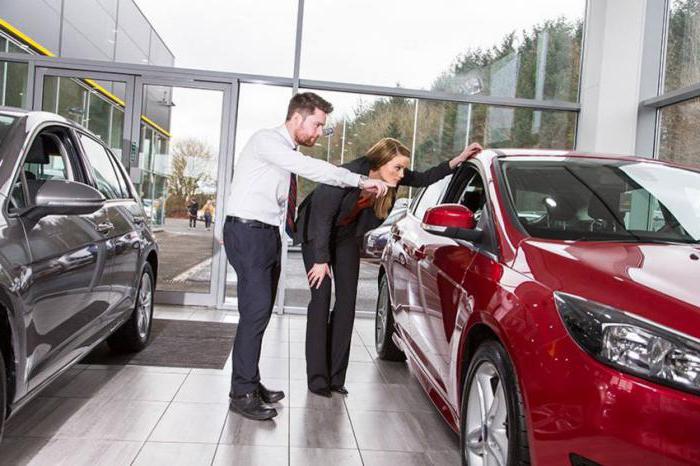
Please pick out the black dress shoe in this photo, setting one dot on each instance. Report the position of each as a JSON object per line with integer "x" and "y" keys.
{"x": 321, "y": 392}
{"x": 269, "y": 396}
{"x": 341, "y": 389}
{"x": 251, "y": 406}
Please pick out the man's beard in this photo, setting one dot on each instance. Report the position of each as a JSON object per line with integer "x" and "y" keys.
{"x": 306, "y": 142}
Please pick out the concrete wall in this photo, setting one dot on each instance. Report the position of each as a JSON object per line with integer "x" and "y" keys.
{"x": 621, "y": 63}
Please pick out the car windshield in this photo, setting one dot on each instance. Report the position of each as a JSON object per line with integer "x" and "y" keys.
{"x": 591, "y": 199}
{"x": 6, "y": 122}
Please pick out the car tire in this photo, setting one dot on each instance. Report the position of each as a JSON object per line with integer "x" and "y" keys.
{"x": 504, "y": 433}
{"x": 133, "y": 335}
{"x": 384, "y": 326}
{"x": 3, "y": 394}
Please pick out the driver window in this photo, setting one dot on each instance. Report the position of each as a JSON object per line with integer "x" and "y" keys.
{"x": 473, "y": 196}
{"x": 430, "y": 197}
{"x": 46, "y": 159}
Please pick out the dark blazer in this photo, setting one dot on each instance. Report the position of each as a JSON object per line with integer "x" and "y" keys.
{"x": 319, "y": 214}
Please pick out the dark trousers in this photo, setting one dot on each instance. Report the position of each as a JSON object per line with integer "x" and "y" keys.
{"x": 328, "y": 337}
{"x": 255, "y": 254}
{"x": 207, "y": 220}
{"x": 193, "y": 221}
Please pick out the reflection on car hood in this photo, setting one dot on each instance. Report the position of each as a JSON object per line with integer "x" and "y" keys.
{"x": 660, "y": 282}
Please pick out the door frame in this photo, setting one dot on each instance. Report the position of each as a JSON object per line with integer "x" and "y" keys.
{"x": 136, "y": 80}
{"x": 229, "y": 89}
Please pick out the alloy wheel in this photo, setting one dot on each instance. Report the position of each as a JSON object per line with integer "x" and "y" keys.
{"x": 382, "y": 312}
{"x": 486, "y": 425}
{"x": 143, "y": 306}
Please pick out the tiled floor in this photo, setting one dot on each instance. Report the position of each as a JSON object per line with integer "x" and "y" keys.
{"x": 120, "y": 415}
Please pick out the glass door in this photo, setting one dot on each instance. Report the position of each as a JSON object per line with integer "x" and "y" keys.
{"x": 183, "y": 142}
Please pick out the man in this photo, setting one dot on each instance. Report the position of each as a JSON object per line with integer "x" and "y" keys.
{"x": 264, "y": 181}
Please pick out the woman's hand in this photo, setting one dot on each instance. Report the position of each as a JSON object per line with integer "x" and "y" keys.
{"x": 317, "y": 274}
{"x": 470, "y": 151}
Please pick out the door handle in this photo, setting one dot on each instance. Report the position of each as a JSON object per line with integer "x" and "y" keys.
{"x": 104, "y": 227}
{"x": 395, "y": 232}
{"x": 138, "y": 220}
{"x": 419, "y": 253}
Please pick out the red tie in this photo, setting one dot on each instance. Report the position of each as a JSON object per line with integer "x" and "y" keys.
{"x": 291, "y": 205}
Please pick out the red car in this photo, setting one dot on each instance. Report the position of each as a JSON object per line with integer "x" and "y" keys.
{"x": 549, "y": 303}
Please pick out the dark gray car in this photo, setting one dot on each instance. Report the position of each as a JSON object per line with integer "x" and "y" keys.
{"x": 77, "y": 260}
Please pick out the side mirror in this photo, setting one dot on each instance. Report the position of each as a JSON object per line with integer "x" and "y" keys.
{"x": 60, "y": 197}
{"x": 451, "y": 221}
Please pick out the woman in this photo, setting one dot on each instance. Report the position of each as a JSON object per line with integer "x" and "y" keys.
{"x": 330, "y": 225}
{"x": 208, "y": 212}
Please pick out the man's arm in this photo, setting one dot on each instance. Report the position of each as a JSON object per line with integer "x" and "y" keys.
{"x": 308, "y": 167}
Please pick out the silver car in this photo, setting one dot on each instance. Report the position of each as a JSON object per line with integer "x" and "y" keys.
{"x": 78, "y": 262}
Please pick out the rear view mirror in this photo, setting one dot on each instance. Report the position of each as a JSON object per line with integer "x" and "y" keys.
{"x": 452, "y": 221}
{"x": 61, "y": 197}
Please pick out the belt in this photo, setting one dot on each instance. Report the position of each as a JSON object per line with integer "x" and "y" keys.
{"x": 251, "y": 223}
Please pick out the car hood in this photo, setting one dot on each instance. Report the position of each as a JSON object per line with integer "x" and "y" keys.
{"x": 660, "y": 282}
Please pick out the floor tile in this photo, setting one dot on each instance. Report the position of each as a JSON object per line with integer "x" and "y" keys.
{"x": 363, "y": 372}
{"x": 301, "y": 397}
{"x": 320, "y": 428}
{"x": 68, "y": 452}
{"x": 388, "y": 431}
{"x": 273, "y": 368}
{"x": 227, "y": 455}
{"x": 144, "y": 386}
{"x": 241, "y": 431}
{"x": 393, "y": 458}
{"x": 175, "y": 454}
{"x": 113, "y": 420}
{"x": 191, "y": 422}
{"x": 203, "y": 388}
{"x": 324, "y": 456}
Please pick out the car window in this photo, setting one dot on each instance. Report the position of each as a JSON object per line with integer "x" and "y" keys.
{"x": 103, "y": 169}
{"x": 47, "y": 159}
{"x": 594, "y": 199}
{"x": 430, "y": 197}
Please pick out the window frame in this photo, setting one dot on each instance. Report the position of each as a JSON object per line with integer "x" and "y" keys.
{"x": 454, "y": 191}
{"x": 72, "y": 157}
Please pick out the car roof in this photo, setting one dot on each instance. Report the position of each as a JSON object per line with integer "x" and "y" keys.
{"x": 491, "y": 155}
{"x": 36, "y": 118}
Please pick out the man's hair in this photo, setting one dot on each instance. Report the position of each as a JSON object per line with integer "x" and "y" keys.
{"x": 306, "y": 103}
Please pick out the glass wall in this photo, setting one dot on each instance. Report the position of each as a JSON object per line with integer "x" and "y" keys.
{"x": 13, "y": 77}
{"x": 678, "y": 136}
{"x": 533, "y": 51}
{"x": 682, "y": 67}
{"x": 89, "y": 104}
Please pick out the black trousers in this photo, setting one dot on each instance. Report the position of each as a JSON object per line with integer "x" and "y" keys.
{"x": 328, "y": 337}
{"x": 255, "y": 254}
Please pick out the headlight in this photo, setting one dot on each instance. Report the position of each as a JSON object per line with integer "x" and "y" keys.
{"x": 632, "y": 344}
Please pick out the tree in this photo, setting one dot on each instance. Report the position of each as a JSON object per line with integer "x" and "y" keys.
{"x": 189, "y": 167}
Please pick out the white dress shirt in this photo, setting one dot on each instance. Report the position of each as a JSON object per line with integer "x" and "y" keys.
{"x": 261, "y": 176}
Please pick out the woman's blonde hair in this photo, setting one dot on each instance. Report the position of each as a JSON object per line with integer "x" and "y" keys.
{"x": 381, "y": 153}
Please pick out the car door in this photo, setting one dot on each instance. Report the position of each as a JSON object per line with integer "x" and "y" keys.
{"x": 66, "y": 290}
{"x": 125, "y": 219}
{"x": 451, "y": 274}
{"x": 406, "y": 252}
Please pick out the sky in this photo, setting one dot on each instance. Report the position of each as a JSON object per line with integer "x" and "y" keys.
{"x": 378, "y": 42}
